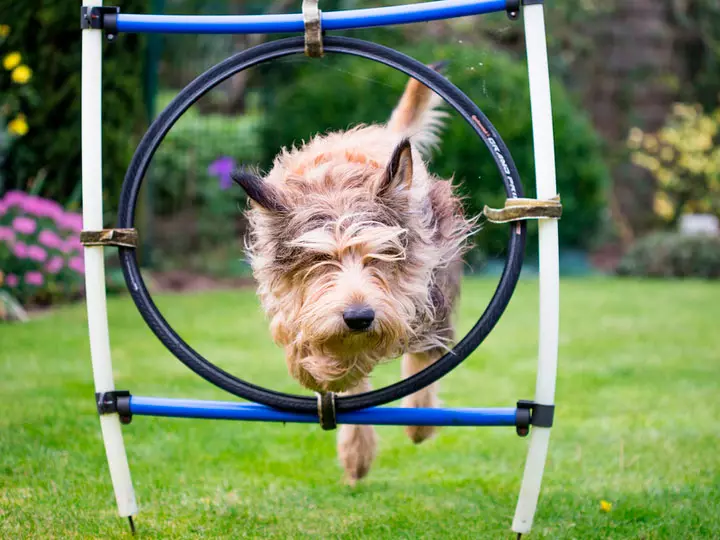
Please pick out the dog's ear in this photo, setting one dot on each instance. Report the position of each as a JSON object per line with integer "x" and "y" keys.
{"x": 399, "y": 171}
{"x": 256, "y": 189}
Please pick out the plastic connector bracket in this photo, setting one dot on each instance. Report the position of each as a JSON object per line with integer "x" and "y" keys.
{"x": 115, "y": 401}
{"x": 530, "y": 413}
{"x": 100, "y": 18}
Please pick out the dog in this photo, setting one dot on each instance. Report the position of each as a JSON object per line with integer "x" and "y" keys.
{"x": 357, "y": 251}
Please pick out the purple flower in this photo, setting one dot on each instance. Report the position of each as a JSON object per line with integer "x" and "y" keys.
{"x": 36, "y": 253}
{"x": 222, "y": 168}
{"x": 49, "y": 239}
{"x": 55, "y": 264}
{"x": 3, "y": 207}
{"x": 7, "y": 235}
{"x": 20, "y": 250}
{"x": 34, "y": 278}
{"x": 12, "y": 280}
{"x": 24, "y": 225}
{"x": 77, "y": 264}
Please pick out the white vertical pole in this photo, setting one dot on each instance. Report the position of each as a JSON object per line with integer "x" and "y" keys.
{"x": 95, "y": 262}
{"x": 538, "y": 73}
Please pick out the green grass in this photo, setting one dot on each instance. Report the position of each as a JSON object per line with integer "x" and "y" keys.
{"x": 637, "y": 425}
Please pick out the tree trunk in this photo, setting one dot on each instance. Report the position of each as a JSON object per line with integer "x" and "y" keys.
{"x": 632, "y": 83}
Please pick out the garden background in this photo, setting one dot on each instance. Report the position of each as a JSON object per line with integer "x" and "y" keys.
{"x": 635, "y": 97}
{"x": 636, "y": 109}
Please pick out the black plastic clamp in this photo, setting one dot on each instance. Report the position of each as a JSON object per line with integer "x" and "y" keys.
{"x": 530, "y": 413}
{"x": 100, "y": 18}
{"x": 115, "y": 401}
{"x": 513, "y": 9}
{"x": 326, "y": 410}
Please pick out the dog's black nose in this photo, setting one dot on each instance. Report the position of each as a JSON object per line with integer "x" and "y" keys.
{"x": 358, "y": 317}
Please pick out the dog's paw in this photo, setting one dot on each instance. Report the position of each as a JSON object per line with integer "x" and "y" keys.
{"x": 424, "y": 399}
{"x": 419, "y": 434}
{"x": 356, "y": 451}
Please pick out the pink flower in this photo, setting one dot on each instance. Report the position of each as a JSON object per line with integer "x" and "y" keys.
{"x": 72, "y": 243}
{"x": 49, "y": 239}
{"x": 36, "y": 253}
{"x": 71, "y": 222}
{"x": 53, "y": 210}
{"x": 20, "y": 250}
{"x": 7, "y": 235}
{"x": 34, "y": 278}
{"x": 3, "y": 207}
{"x": 55, "y": 264}
{"x": 12, "y": 280}
{"x": 14, "y": 198}
{"x": 24, "y": 225}
{"x": 31, "y": 203}
{"x": 77, "y": 264}
{"x": 43, "y": 208}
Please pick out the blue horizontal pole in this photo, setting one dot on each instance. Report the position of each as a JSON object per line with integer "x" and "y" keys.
{"x": 293, "y": 22}
{"x": 379, "y": 416}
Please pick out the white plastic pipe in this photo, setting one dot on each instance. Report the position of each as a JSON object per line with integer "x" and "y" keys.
{"x": 95, "y": 262}
{"x": 539, "y": 75}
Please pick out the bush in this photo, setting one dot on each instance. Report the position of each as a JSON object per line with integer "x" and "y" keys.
{"x": 684, "y": 158}
{"x": 190, "y": 174}
{"x": 670, "y": 255}
{"x": 40, "y": 252}
{"x": 16, "y": 95}
{"x": 335, "y": 92}
{"x": 47, "y": 35}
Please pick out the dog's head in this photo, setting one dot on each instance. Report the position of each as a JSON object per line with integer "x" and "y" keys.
{"x": 339, "y": 252}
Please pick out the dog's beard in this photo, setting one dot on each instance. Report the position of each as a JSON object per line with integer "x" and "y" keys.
{"x": 338, "y": 361}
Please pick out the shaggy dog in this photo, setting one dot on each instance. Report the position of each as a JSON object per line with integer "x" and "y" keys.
{"x": 357, "y": 251}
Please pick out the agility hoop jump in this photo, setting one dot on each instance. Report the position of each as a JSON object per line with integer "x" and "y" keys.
{"x": 118, "y": 407}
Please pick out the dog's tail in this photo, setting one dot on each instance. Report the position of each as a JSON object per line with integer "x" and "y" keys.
{"x": 416, "y": 114}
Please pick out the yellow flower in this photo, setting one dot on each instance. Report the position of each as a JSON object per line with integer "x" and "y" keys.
{"x": 635, "y": 138}
{"x": 667, "y": 154}
{"x": 4, "y": 30}
{"x": 663, "y": 206}
{"x": 21, "y": 74}
{"x": 12, "y": 60}
{"x": 650, "y": 143}
{"x": 605, "y": 506}
{"x": 18, "y": 126}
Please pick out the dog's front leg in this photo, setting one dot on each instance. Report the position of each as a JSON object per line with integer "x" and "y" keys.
{"x": 356, "y": 444}
{"x": 412, "y": 363}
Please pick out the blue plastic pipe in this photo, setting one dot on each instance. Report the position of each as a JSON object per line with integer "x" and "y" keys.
{"x": 379, "y": 416}
{"x": 288, "y": 23}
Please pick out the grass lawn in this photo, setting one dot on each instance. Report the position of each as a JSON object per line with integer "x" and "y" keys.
{"x": 637, "y": 424}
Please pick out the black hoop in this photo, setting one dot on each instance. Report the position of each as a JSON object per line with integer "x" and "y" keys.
{"x": 263, "y": 53}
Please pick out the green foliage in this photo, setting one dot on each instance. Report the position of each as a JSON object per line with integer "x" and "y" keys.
{"x": 190, "y": 178}
{"x": 673, "y": 255}
{"x": 337, "y": 92}
{"x": 16, "y": 95}
{"x": 48, "y": 35}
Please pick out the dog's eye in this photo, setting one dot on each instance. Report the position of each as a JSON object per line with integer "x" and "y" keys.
{"x": 321, "y": 257}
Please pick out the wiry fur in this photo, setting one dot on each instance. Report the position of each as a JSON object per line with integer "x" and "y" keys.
{"x": 355, "y": 218}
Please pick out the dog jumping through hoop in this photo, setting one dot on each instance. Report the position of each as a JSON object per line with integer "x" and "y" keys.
{"x": 357, "y": 250}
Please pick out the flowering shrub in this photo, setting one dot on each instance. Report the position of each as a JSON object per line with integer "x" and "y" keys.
{"x": 41, "y": 255}
{"x": 15, "y": 94}
{"x": 684, "y": 158}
